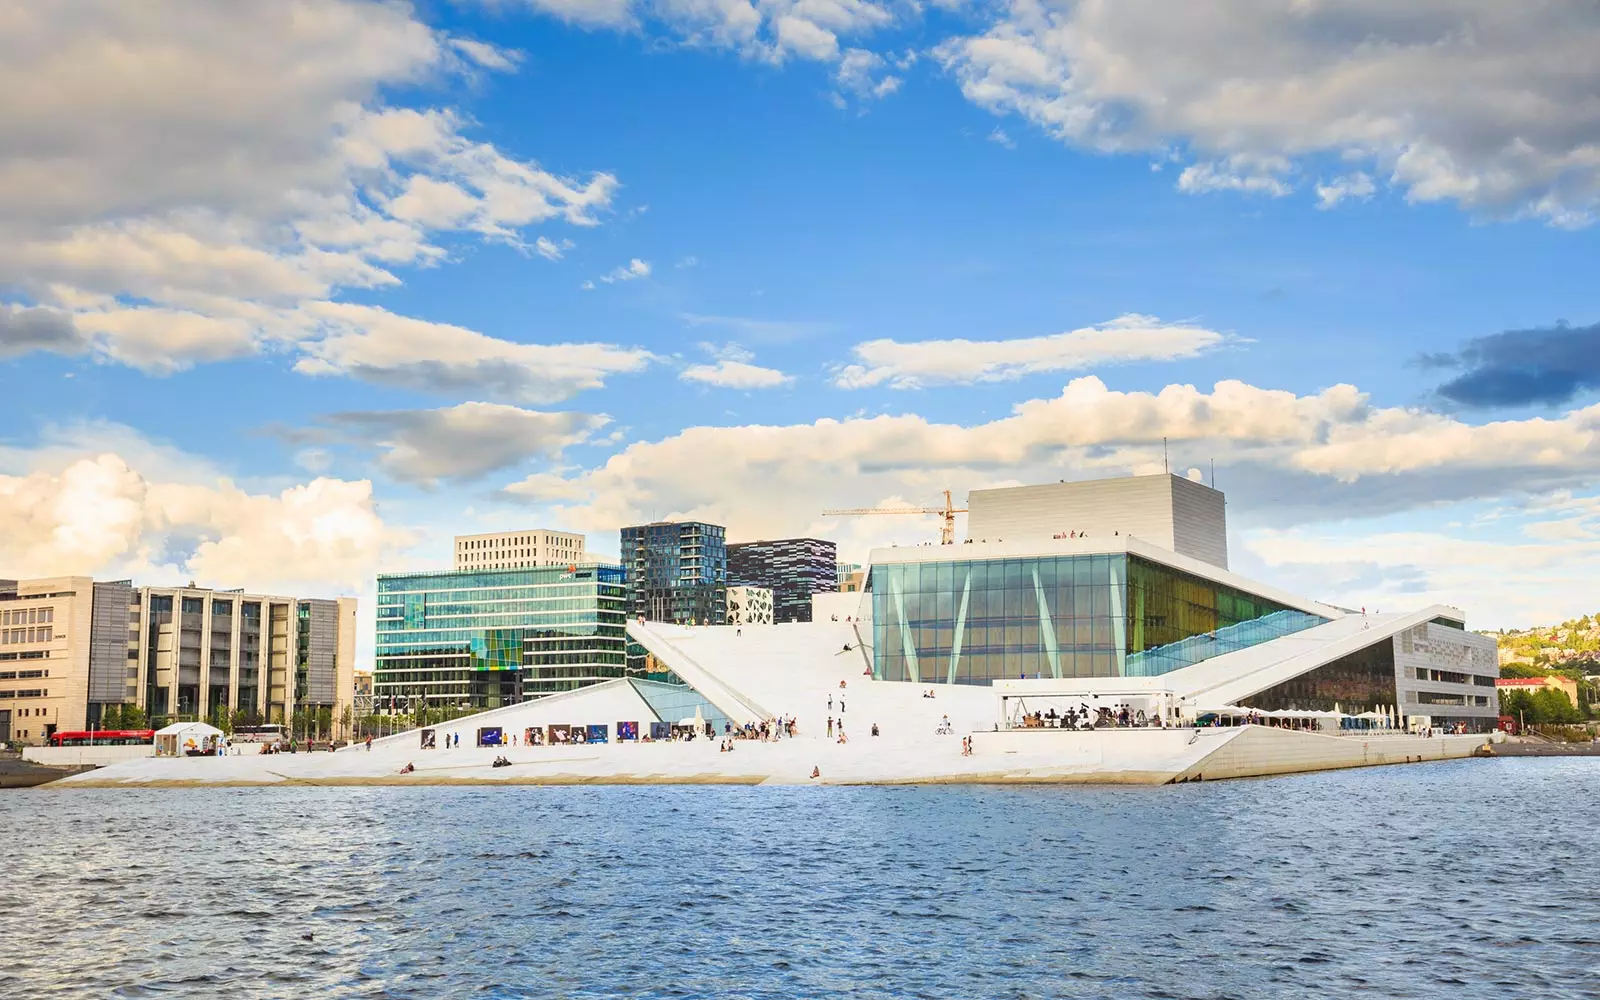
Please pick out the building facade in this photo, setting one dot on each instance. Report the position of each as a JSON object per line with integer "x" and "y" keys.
{"x": 484, "y": 639}
{"x": 526, "y": 549}
{"x": 792, "y": 568}
{"x": 201, "y": 651}
{"x": 1177, "y": 514}
{"x": 677, "y": 571}
{"x": 72, "y": 648}
{"x": 749, "y": 606}
{"x": 1126, "y": 616}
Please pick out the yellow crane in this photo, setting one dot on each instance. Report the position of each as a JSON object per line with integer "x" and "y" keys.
{"x": 947, "y": 529}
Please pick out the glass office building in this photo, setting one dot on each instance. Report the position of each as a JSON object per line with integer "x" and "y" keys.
{"x": 677, "y": 571}
{"x": 1103, "y": 615}
{"x": 483, "y": 639}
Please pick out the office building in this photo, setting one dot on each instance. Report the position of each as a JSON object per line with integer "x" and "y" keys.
{"x": 851, "y": 578}
{"x": 1176, "y": 514}
{"x": 677, "y": 571}
{"x": 529, "y": 548}
{"x": 792, "y": 568}
{"x": 483, "y": 639}
{"x": 74, "y": 648}
{"x": 749, "y": 606}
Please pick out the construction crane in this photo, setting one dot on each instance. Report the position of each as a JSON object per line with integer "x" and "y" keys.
{"x": 947, "y": 529}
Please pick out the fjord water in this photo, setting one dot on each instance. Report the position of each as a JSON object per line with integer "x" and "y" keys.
{"x": 1465, "y": 879}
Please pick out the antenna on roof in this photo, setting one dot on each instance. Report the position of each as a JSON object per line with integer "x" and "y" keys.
{"x": 1213, "y": 473}
{"x": 1164, "y": 467}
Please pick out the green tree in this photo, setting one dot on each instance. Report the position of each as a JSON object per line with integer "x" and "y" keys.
{"x": 1521, "y": 670}
{"x": 297, "y": 725}
{"x": 133, "y": 717}
{"x": 111, "y": 717}
{"x": 325, "y": 722}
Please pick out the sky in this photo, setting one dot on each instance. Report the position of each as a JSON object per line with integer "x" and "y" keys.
{"x": 292, "y": 293}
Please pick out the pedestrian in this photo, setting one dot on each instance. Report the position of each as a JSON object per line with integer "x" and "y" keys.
{"x": 369, "y": 743}
{"x": 830, "y": 701}
{"x": 830, "y": 727}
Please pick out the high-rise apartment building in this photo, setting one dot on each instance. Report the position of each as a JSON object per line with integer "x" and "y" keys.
{"x": 792, "y": 568}
{"x": 677, "y": 571}
{"x": 73, "y": 648}
{"x": 483, "y": 639}
{"x": 526, "y": 549}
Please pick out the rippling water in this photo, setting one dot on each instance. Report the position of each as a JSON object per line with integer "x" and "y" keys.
{"x": 1466, "y": 879}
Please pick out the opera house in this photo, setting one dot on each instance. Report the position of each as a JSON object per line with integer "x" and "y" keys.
{"x": 1083, "y": 632}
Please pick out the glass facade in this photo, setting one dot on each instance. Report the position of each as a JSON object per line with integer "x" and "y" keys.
{"x": 1363, "y": 681}
{"x": 1112, "y": 615}
{"x": 482, "y": 639}
{"x": 677, "y": 571}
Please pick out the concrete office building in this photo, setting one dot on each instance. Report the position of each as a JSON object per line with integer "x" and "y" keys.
{"x": 200, "y": 651}
{"x": 792, "y": 568}
{"x": 484, "y": 639}
{"x": 1177, "y": 514}
{"x": 677, "y": 571}
{"x": 525, "y": 549}
{"x": 71, "y": 648}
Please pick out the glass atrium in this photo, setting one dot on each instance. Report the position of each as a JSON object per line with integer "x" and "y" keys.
{"x": 1112, "y": 615}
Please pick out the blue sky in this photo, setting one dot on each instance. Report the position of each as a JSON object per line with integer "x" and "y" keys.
{"x": 357, "y": 299}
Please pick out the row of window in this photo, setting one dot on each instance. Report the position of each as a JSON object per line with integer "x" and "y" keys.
{"x": 22, "y": 675}
{"x": 26, "y": 693}
{"x": 18, "y": 636}
{"x": 28, "y": 616}
{"x": 27, "y": 654}
{"x": 1441, "y": 698}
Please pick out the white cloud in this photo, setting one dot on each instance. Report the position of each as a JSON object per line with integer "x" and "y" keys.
{"x": 1285, "y": 459}
{"x": 1251, "y": 175}
{"x": 98, "y": 514}
{"x": 999, "y": 136}
{"x": 861, "y": 75}
{"x": 1357, "y": 185}
{"x": 934, "y": 362}
{"x": 1479, "y": 102}
{"x": 631, "y": 271}
{"x": 380, "y": 346}
{"x": 730, "y": 374}
{"x": 462, "y": 442}
{"x": 551, "y": 250}
{"x": 292, "y": 180}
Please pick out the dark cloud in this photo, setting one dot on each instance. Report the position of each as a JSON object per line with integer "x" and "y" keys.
{"x": 1518, "y": 367}
{"x": 24, "y": 329}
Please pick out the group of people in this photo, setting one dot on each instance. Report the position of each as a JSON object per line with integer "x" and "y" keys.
{"x": 1083, "y": 717}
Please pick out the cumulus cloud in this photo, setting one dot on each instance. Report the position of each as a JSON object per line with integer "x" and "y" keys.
{"x": 97, "y": 514}
{"x": 1477, "y": 102}
{"x": 1285, "y": 459}
{"x": 1357, "y": 185}
{"x": 293, "y": 180}
{"x": 1128, "y": 338}
{"x": 1548, "y": 365}
{"x": 373, "y": 344}
{"x": 462, "y": 442}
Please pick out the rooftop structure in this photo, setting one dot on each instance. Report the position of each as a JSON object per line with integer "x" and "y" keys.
{"x": 1175, "y": 513}
{"x": 528, "y": 548}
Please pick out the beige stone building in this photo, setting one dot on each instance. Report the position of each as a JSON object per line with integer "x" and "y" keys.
{"x": 73, "y": 648}
{"x": 526, "y": 549}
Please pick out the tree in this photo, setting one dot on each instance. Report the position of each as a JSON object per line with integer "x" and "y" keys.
{"x": 133, "y": 717}
{"x": 111, "y": 717}
{"x": 325, "y": 722}
{"x": 345, "y": 715}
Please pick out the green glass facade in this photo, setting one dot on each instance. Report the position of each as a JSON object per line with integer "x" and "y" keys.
{"x": 1113, "y": 615}
{"x": 482, "y": 639}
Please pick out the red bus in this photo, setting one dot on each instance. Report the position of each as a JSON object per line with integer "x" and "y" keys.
{"x": 104, "y": 738}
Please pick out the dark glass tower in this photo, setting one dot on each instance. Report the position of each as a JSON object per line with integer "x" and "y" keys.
{"x": 792, "y": 568}
{"x": 677, "y": 571}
